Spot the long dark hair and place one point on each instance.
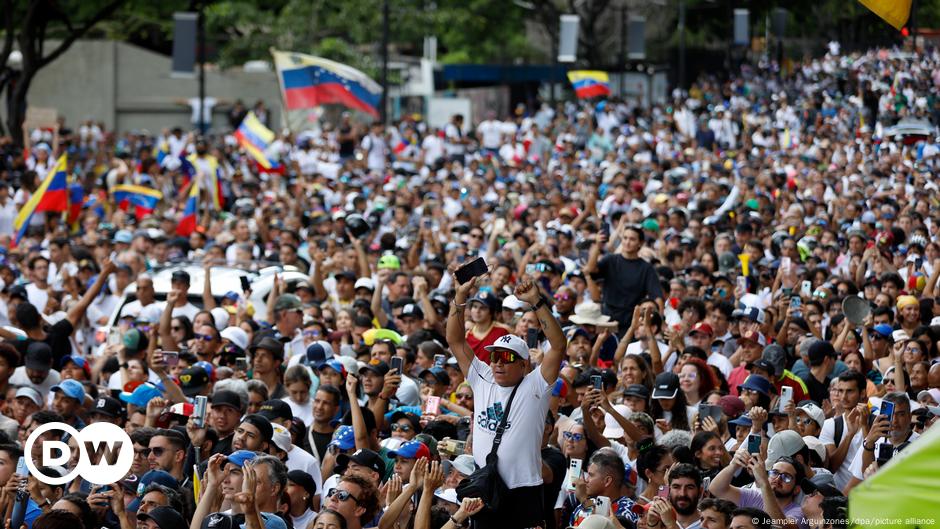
(680, 418)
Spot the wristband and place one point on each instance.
(458, 524)
(542, 303)
(867, 449)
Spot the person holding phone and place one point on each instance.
(895, 431)
(519, 463)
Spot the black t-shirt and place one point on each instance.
(627, 282)
(57, 338)
(818, 391)
(321, 440)
(556, 461)
(347, 148)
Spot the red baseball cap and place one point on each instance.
(703, 328)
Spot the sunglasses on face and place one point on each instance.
(571, 436)
(204, 337)
(787, 478)
(804, 422)
(503, 356)
(158, 451)
(341, 495)
(464, 396)
(142, 452)
(312, 333)
(401, 427)
(562, 297)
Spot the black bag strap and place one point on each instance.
(838, 426)
(502, 422)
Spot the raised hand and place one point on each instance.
(214, 470)
(528, 292)
(393, 489)
(417, 472)
(433, 476)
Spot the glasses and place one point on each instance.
(204, 337)
(464, 396)
(571, 436)
(142, 452)
(562, 297)
(503, 356)
(804, 422)
(688, 376)
(342, 495)
(787, 478)
(158, 451)
(311, 333)
(876, 337)
(401, 427)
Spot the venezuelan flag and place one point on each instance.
(894, 12)
(255, 138)
(309, 81)
(213, 176)
(142, 198)
(589, 83)
(187, 224)
(402, 145)
(51, 195)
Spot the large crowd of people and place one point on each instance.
(719, 312)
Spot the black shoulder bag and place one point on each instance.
(486, 482)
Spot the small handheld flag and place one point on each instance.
(51, 195)
(589, 83)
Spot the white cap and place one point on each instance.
(281, 437)
(513, 303)
(30, 393)
(448, 495)
(236, 335)
(900, 335)
(464, 464)
(814, 412)
(365, 282)
(221, 317)
(814, 444)
(511, 342)
(612, 429)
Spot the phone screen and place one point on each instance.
(753, 444)
(246, 286)
(439, 360)
(532, 338)
(887, 409)
(597, 381)
(474, 268)
(396, 364)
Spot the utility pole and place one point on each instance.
(681, 44)
(383, 112)
(201, 57)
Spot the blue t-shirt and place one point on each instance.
(32, 512)
(271, 521)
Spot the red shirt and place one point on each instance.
(737, 377)
(478, 345)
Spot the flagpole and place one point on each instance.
(383, 113)
(285, 123)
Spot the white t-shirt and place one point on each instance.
(300, 459)
(857, 471)
(520, 456)
(433, 148)
(303, 412)
(19, 378)
(721, 362)
(827, 436)
(454, 135)
(37, 297)
(491, 132)
(207, 113)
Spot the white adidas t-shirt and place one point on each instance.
(520, 456)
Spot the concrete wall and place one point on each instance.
(129, 87)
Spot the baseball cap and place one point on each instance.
(235, 335)
(900, 335)
(220, 520)
(884, 330)
(376, 366)
(755, 383)
(281, 437)
(777, 358)
(159, 477)
(412, 310)
(39, 356)
(240, 457)
(363, 457)
(389, 261)
(637, 390)
(512, 343)
(465, 464)
(271, 344)
(288, 302)
(488, 299)
(164, 517)
(335, 365)
(511, 302)
(79, 362)
(783, 444)
(731, 406)
(263, 425)
(612, 429)
(666, 386)
(193, 380)
(822, 483)
(754, 337)
(276, 409)
(70, 388)
(30, 393)
(108, 406)
(595, 521)
(366, 283)
(135, 341)
(316, 355)
(764, 365)
(814, 444)
(19, 292)
(412, 418)
(344, 438)
(750, 313)
(702, 327)
(224, 397)
(123, 237)
(439, 373)
(305, 480)
(412, 450)
(813, 411)
(141, 395)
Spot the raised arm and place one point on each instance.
(594, 255)
(721, 486)
(355, 411)
(528, 292)
(75, 313)
(166, 321)
(456, 327)
(208, 302)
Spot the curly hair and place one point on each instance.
(368, 498)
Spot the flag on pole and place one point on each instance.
(589, 83)
(894, 12)
(51, 195)
(255, 138)
(142, 198)
(76, 201)
(308, 81)
(213, 171)
(187, 224)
